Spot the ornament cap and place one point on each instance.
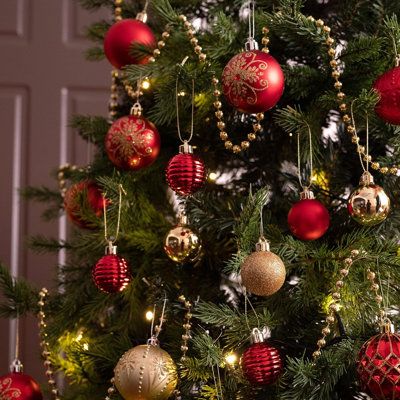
(142, 16)
(136, 109)
(111, 249)
(262, 244)
(182, 219)
(366, 179)
(307, 194)
(153, 341)
(16, 366)
(387, 326)
(256, 336)
(251, 44)
(185, 148)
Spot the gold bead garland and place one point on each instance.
(343, 108)
(111, 390)
(378, 298)
(335, 305)
(245, 144)
(45, 345)
(186, 326)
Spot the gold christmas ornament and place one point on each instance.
(263, 272)
(181, 244)
(368, 204)
(146, 372)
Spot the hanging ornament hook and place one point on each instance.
(142, 16)
(307, 193)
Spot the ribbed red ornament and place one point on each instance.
(120, 39)
(17, 385)
(253, 81)
(262, 364)
(378, 366)
(186, 173)
(308, 219)
(83, 202)
(111, 274)
(132, 142)
(388, 87)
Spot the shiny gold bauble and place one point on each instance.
(182, 245)
(263, 273)
(368, 204)
(145, 372)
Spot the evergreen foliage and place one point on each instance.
(92, 330)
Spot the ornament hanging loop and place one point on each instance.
(306, 188)
(112, 239)
(251, 44)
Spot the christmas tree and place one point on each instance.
(230, 256)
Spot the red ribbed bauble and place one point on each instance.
(111, 274)
(378, 366)
(388, 87)
(186, 173)
(17, 385)
(132, 143)
(83, 203)
(120, 39)
(261, 362)
(308, 219)
(253, 81)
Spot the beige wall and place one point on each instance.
(44, 79)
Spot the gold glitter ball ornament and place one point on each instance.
(263, 272)
(368, 204)
(182, 244)
(146, 372)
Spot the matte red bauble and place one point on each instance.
(261, 362)
(120, 39)
(111, 274)
(308, 219)
(378, 366)
(253, 81)
(83, 203)
(185, 172)
(388, 87)
(132, 142)
(17, 385)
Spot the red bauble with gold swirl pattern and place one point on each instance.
(132, 143)
(378, 366)
(253, 81)
(17, 385)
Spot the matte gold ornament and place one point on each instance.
(263, 272)
(181, 244)
(368, 204)
(146, 372)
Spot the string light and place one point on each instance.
(149, 315)
(212, 176)
(231, 359)
(181, 93)
(86, 346)
(146, 83)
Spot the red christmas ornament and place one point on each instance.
(17, 385)
(120, 39)
(186, 173)
(261, 363)
(253, 81)
(378, 366)
(111, 274)
(132, 142)
(83, 202)
(308, 219)
(388, 87)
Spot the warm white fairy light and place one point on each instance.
(149, 315)
(212, 176)
(231, 359)
(146, 83)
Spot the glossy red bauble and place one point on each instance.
(378, 366)
(120, 39)
(83, 203)
(308, 219)
(262, 364)
(253, 81)
(185, 173)
(17, 385)
(111, 274)
(132, 142)
(388, 87)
